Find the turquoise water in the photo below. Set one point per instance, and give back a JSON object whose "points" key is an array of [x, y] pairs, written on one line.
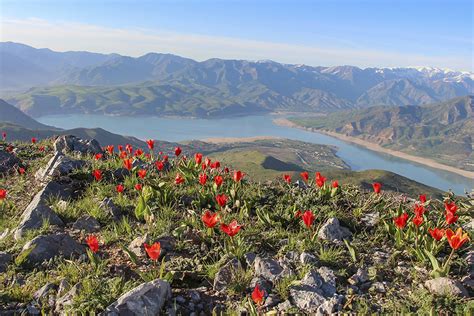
{"points": [[179, 129]]}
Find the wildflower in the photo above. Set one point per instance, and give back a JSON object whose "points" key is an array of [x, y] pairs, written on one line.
{"points": [[142, 173], [450, 207], [401, 220], [10, 148], [119, 188], [97, 174], [215, 165], [153, 251], [207, 161], [165, 158], [41, 148], [3, 194], [151, 144], [238, 175], [4, 136], [221, 200], [305, 176], [129, 148], [138, 187], [210, 219], [120, 148], [418, 220], [419, 210], [128, 163], [21, 170], [320, 180], [93, 243], [377, 187], [202, 178], [218, 180], [198, 158], [451, 218], [308, 218], [298, 214], [257, 295], [232, 229], [138, 152], [159, 165], [287, 178], [178, 179], [436, 233], [335, 184], [177, 151], [123, 154], [33, 140], [456, 240], [110, 149], [422, 198]]}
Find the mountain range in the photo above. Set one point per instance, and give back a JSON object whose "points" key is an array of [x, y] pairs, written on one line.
{"points": [[442, 131], [41, 82]]}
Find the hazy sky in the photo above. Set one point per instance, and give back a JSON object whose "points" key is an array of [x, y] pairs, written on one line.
{"points": [[333, 32]]}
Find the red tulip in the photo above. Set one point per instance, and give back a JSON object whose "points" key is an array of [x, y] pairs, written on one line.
{"points": [[142, 173], [203, 166], [305, 176], [93, 243], [165, 158], [148, 156], [218, 180], [4, 136], [21, 171], [298, 214], [98, 156], [308, 218], [41, 148], [401, 220], [120, 188], [423, 198], [419, 210], [320, 180], [436, 233], [177, 151], [33, 140], [128, 163], [198, 158], [221, 200], [129, 148], [418, 220], [120, 147], [138, 152], [110, 149], [287, 178], [202, 178], [3, 194], [377, 187], [159, 165], [215, 165], [178, 179], [450, 207], [456, 240], [153, 251], [207, 161], [151, 144], [335, 184], [232, 229], [123, 155], [138, 187], [210, 219], [257, 295], [451, 218], [238, 176], [97, 174]]}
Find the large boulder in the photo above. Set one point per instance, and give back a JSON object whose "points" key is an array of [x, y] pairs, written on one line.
{"points": [[271, 269], [73, 144], [8, 162], [87, 224], [46, 247], [333, 231], [35, 214], [58, 165], [147, 299]]}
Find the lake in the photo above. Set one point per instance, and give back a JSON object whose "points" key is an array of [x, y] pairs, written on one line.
{"points": [[179, 129]]}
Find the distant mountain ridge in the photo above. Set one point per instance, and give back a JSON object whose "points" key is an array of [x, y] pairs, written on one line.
{"points": [[442, 131], [166, 84]]}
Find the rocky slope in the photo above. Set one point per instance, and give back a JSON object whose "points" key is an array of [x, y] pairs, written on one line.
{"points": [[91, 231]]}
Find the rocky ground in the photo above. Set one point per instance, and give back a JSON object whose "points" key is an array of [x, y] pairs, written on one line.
{"points": [[77, 221]]}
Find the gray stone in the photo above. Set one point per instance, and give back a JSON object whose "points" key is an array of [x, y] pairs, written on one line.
{"points": [[58, 165], [195, 296], [361, 276], [225, 274], [35, 214], [249, 258], [5, 259], [263, 284], [378, 287], [70, 143], [46, 247], [301, 184], [86, 223], [271, 301], [120, 174], [8, 162], [268, 268], [67, 299], [446, 286], [180, 299], [371, 219], [329, 284], [308, 258], [136, 245], [146, 299], [286, 305], [333, 231], [45, 290], [292, 256], [63, 287], [109, 207]]}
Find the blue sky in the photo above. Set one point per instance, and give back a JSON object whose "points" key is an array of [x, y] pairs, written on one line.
{"points": [[363, 33]]}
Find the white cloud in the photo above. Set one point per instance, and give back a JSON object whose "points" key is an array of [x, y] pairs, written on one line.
{"points": [[64, 36]]}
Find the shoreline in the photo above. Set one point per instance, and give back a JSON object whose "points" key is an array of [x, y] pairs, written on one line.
{"points": [[377, 148], [223, 140]]}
